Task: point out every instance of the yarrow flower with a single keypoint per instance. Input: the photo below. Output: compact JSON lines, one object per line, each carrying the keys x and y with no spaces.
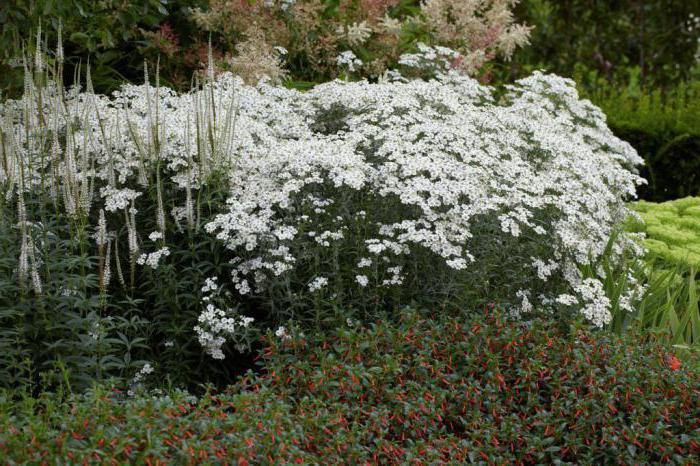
{"x":364,"y":262}
{"x":597,"y":307}
{"x":155,"y":236}
{"x":118,"y":199}
{"x":318,"y":283}
{"x":348,"y":60}
{"x":152,"y":259}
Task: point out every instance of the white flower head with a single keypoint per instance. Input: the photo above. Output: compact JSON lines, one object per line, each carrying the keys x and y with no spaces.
{"x":347,"y":59}
{"x":318,"y":283}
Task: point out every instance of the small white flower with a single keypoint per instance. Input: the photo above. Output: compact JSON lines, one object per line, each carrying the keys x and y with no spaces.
{"x":282,"y":333}
{"x":318,"y":283}
{"x":155,"y":236}
{"x":152,"y":260}
{"x":364,"y":262}
{"x":349,"y":60}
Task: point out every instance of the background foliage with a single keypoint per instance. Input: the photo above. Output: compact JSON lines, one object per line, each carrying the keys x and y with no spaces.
{"x":611,"y":37}
{"x":111,"y":34}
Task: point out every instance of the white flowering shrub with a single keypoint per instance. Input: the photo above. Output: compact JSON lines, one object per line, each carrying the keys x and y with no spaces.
{"x":350,"y":196}
{"x":428,"y":191}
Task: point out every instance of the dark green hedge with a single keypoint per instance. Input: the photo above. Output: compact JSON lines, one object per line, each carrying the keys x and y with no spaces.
{"x":672,"y":160}
{"x":425,"y":391}
{"x":663,"y":124}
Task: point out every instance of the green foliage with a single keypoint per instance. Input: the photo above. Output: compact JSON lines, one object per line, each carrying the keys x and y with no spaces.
{"x":662,"y":124}
{"x":425,"y":390}
{"x":110,"y":34}
{"x":670,"y":309}
{"x":611,"y":37}
{"x":672,"y":229}
{"x":65,"y":331}
{"x":78,"y":332}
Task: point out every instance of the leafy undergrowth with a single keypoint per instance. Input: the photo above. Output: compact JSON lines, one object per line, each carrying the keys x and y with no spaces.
{"x":427,"y":390}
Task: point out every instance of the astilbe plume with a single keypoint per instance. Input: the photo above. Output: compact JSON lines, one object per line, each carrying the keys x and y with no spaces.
{"x":256,"y":59}
{"x":479,"y":29}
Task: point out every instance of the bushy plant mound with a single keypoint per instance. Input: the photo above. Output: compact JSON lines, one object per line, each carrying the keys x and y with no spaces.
{"x":353,"y":195}
{"x":672,"y":230}
{"x":425,"y":390}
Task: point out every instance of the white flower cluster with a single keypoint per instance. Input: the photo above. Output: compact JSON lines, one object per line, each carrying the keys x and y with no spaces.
{"x":118,"y":199}
{"x":596,"y":305}
{"x":216,"y":326}
{"x":282,"y":333}
{"x":318,"y":283}
{"x":544,"y":270}
{"x":152,"y":259}
{"x":155,"y":236}
{"x":283,"y":4}
{"x":348,"y":60}
{"x":540,"y":162}
{"x":362,"y":280}
{"x":137,"y":382}
{"x":434,"y":59}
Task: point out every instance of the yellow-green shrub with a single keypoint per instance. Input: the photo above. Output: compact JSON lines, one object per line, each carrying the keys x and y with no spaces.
{"x":672,"y":229}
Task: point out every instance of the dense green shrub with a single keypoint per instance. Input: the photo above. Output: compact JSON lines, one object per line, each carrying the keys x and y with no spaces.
{"x":114,"y":36}
{"x":672,"y":229}
{"x":659,"y":37}
{"x":423,"y":391}
{"x":664,"y":127}
{"x":82,"y":326}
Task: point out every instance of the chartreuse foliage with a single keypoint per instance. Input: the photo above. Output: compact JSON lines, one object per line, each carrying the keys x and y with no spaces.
{"x":669,"y":308}
{"x":425,"y":390}
{"x":672,"y":229}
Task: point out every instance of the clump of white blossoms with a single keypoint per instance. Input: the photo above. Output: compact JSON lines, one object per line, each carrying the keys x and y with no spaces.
{"x":349,"y":60}
{"x":353,"y":194}
{"x":518,"y":191}
{"x":432,"y":59}
{"x":216,"y":325}
{"x":153,"y":259}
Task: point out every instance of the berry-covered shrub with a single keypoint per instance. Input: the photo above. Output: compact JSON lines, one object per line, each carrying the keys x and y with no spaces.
{"x":425,"y":391}
{"x":353,"y":195}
